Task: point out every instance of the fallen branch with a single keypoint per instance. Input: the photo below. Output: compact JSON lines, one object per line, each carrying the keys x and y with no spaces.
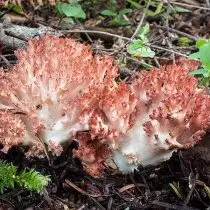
{"x":15,"y":36}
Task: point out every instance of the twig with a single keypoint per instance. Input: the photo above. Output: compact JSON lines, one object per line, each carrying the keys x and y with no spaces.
{"x":47,"y":198}
{"x":167,"y":28}
{"x":6,"y":61}
{"x":121,"y":37}
{"x":189,"y":5}
{"x":109,"y":205}
{"x":141,"y":21}
{"x":136,"y":185}
{"x":139,"y":62}
{"x":139,"y":25}
{"x":157,"y":62}
{"x":87,"y":35}
{"x":82,"y":207}
{"x":64,"y":32}
{"x":199,"y":198}
{"x":96,"y":32}
{"x":69,"y":183}
{"x":145,"y":183}
{"x":8,"y":202}
{"x":191,"y":190}
{"x":208,"y":3}
{"x":129,"y":186}
{"x":168,"y":50}
{"x":12,"y":34}
{"x":171,"y":206}
{"x":176,"y":31}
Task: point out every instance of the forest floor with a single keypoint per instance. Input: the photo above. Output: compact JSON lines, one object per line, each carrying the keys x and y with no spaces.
{"x":174,"y":26}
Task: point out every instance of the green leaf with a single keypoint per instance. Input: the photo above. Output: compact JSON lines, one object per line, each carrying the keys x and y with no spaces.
{"x":205,"y":55}
{"x":143,"y":32}
{"x":201,"y":71}
{"x":205,"y":81}
{"x":137,"y":48}
{"x":159,"y":9}
{"x":184,"y":41}
{"x":135,"y":4}
{"x":73,"y":10}
{"x":125,"y":11}
{"x":74,"y":1}
{"x":146,"y":52}
{"x":194,"y":56}
{"x":124,"y":22}
{"x":117,"y":21}
{"x":181,"y":9}
{"x":201,"y":42}
{"x":135,"y":45}
{"x":146,"y":65}
{"x":16,"y":8}
{"x":58,"y":7}
{"x":108,"y":12}
{"x":68,"y":20}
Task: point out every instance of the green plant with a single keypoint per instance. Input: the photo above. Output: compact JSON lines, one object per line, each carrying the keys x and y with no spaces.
{"x":116,"y":14}
{"x":93,"y":7}
{"x":178,"y":10}
{"x":184,"y":41}
{"x":203,"y":55}
{"x":139,"y":47}
{"x":11,"y":177}
{"x":70,"y":10}
{"x":15,"y":8}
{"x":10,"y":7}
{"x":155,"y":7}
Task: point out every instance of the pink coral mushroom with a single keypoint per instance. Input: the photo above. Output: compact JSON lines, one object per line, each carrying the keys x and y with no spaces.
{"x":54,"y":89}
{"x":143,"y":124}
{"x":59,"y":91}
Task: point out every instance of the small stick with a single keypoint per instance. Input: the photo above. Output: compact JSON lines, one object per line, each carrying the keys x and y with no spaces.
{"x":92,"y":197}
{"x":141,"y":21}
{"x":189,"y":5}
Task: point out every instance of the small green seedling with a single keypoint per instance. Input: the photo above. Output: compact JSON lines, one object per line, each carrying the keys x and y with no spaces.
{"x":203,"y":55}
{"x":139,"y":47}
{"x":70,"y":10}
{"x":118,"y":18}
{"x":184,"y":41}
{"x":15,"y":8}
{"x":30,"y":180}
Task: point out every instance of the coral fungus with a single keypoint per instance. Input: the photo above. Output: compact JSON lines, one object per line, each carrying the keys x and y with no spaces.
{"x":145,"y":122}
{"x":171,"y":113}
{"x":54,"y":88}
{"x":59,"y":91}
{"x":11,"y":129}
